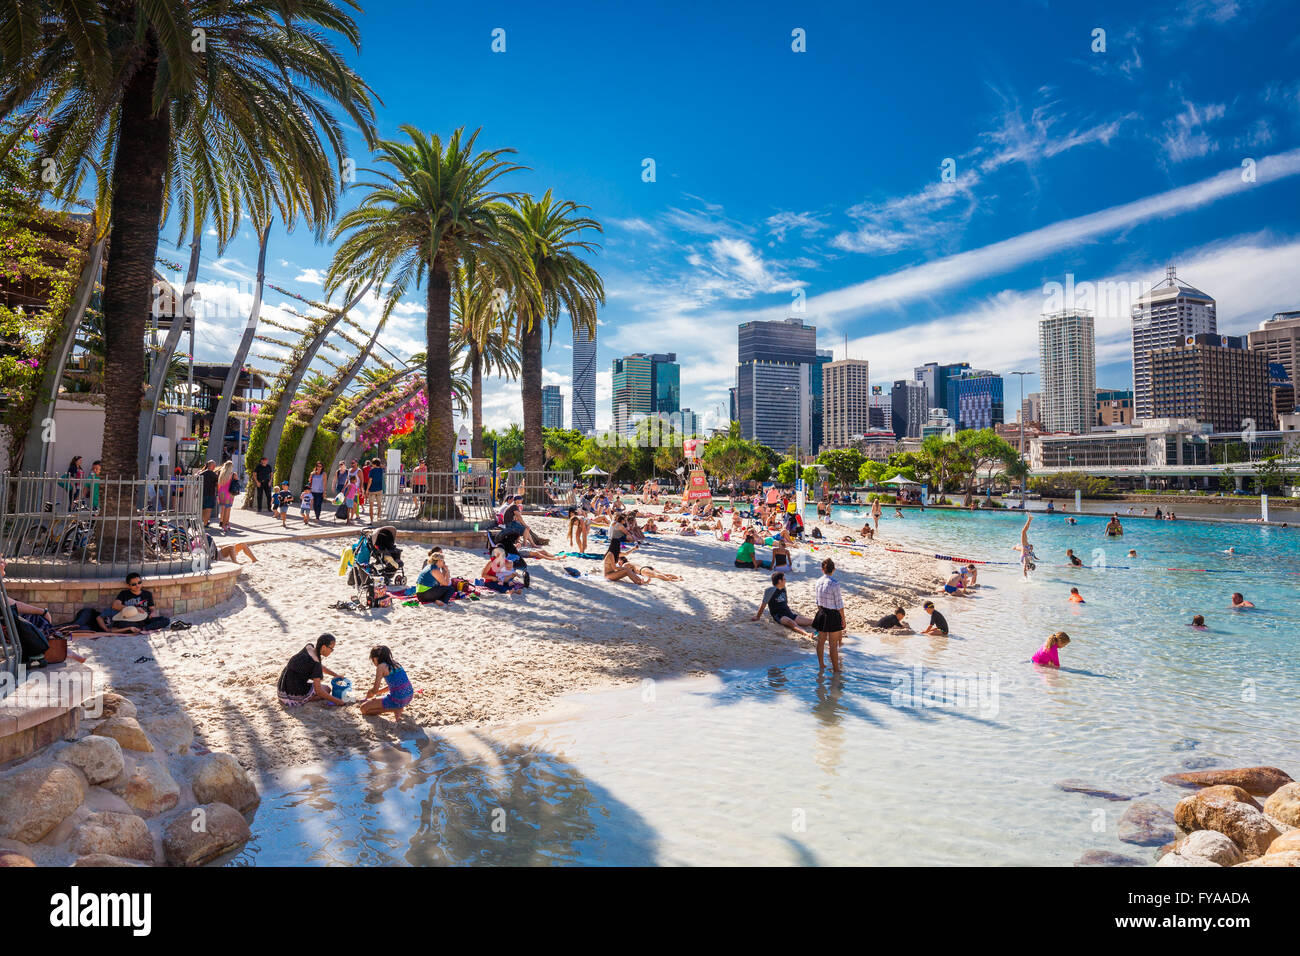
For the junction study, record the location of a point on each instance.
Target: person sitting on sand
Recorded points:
(780, 557)
(499, 573)
(1198, 622)
(616, 568)
(652, 528)
(1046, 655)
(387, 671)
(938, 623)
(687, 528)
(301, 680)
(895, 621)
(956, 584)
(866, 532)
(1076, 597)
(777, 603)
(745, 557)
(1026, 549)
(1240, 603)
(433, 586)
(140, 601)
(970, 577)
(1073, 558)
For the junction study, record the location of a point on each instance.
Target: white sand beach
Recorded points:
(500, 658)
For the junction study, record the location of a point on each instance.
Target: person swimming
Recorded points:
(1076, 597)
(1240, 603)
(1113, 528)
(1074, 558)
(1046, 656)
(1198, 622)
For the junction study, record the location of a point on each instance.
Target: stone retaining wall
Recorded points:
(175, 595)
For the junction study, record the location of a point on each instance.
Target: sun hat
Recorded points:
(130, 614)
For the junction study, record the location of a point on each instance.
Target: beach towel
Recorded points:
(346, 561)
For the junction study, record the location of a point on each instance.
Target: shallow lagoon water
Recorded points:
(927, 751)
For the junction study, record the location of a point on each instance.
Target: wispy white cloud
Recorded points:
(806, 223)
(1185, 138)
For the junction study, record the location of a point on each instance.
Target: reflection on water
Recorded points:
(927, 750)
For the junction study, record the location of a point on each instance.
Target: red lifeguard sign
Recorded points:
(697, 486)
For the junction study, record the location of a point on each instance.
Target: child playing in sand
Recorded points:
(305, 504)
(1075, 596)
(282, 497)
(970, 577)
(1046, 655)
(390, 672)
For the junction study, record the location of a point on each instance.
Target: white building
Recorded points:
(1067, 364)
(1163, 319)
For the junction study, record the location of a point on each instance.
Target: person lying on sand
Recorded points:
(301, 681)
(895, 621)
(648, 572)
(387, 671)
(777, 603)
(616, 568)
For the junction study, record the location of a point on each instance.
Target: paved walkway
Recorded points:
(254, 527)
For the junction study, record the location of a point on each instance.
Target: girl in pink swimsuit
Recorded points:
(1046, 655)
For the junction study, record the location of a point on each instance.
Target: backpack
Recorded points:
(236, 486)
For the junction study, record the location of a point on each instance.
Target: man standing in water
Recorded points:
(1026, 549)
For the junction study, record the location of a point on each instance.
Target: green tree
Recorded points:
(479, 337)
(787, 471)
(548, 234)
(607, 455)
(732, 459)
(843, 464)
(436, 206)
(810, 475)
(983, 448)
(136, 100)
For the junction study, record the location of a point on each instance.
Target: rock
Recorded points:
(1146, 824)
(99, 758)
(1187, 743)
(126, 731)
(173, 733)
(111, 705)
(1186, 809)
(1260, 781)
(1289, 858)
(192, 840)
(1288, 842)
(1082, 786)
(220, 779)
(1244, 824)
(1107, 858)
(1284, 804)
(150, 788)
(1177, 859)
(1211, 845)
(8, 858)
(114, 834)
(33, 801)
(103, 859)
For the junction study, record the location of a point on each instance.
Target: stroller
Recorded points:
(376, 566)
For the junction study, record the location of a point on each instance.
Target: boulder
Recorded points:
(1289, 858)
(1288, 842)
(173, 733)
(110, 705)
(8, 858)
(34, 800)
(1177, 859)
(1244, 824)
(114, 834)
(126, 731)
(1082, 786)
(1284, 804)
(220, 779)
(1107, 858)
(99, 758)
(1186, 809)
(1146, 824)
(149, 788)
(1260, 781)
(1211, 845)
(103, 859)
(192, 839)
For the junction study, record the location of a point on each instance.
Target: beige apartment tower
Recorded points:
(1067, 359)
(846, 394)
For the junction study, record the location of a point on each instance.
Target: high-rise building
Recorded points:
(817, 398)
(643, 385)
(735, 416)
(1279, 340)
(910, 405)
(1213, 379)
(1031, 409)
(936, 379)
(847, 401)
(690, 423)
(778, 383)
(552, 407)
(880, 414)
(583, 398)
(1067, 363)
(1114, 406)
(976, 399)
(1163, 318)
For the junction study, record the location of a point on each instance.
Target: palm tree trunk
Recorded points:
(530, 384)
(476, 396)
(217, 433)
(439, 437)
(138, 169)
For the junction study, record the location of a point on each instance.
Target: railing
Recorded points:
(11, 651)
(61, 528)
(540, 489)
(436, 501)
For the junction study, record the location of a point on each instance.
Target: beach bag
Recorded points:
(377, 596)
(57, 652)
(341, 512)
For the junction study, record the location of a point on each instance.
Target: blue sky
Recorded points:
(814, 179)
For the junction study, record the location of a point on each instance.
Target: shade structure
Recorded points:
(592, 471)
(900, 480)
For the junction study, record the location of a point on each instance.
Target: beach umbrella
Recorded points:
(593, 471)
(518, 466)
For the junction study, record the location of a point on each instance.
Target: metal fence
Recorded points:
(436, 501)
(11, 653)
(57, 527)
(540, 489)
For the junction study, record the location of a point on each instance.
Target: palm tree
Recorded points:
(250, 87)
(437, 206)
(548, 230)
(480, 335)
